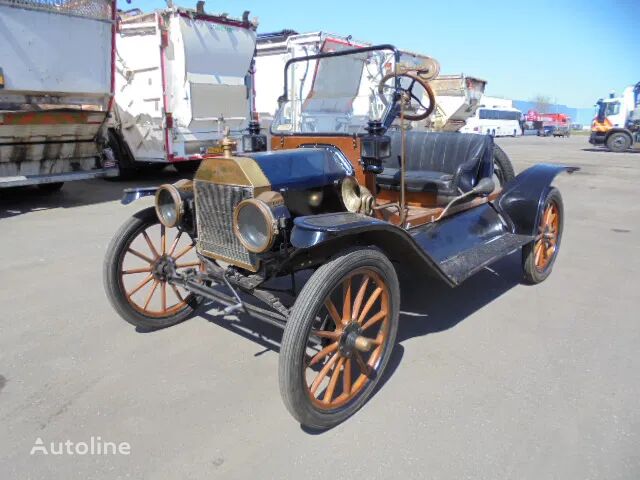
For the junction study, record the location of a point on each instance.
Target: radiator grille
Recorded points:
(214, 209)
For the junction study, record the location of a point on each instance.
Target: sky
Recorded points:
(571, 51)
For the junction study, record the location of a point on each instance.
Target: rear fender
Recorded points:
(521, 200)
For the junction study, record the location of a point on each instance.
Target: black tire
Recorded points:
(532, 270)
(112, 276)
(618, 142)
(502, 166)
(292, 368)
(126, 166)
(50, 187)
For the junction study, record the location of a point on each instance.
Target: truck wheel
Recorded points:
(502, 166)
(618, 142)
(126, 167)
(539, 256)
(339, 338)
(50, 187)
(135, 267)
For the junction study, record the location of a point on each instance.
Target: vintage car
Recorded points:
(349, 194)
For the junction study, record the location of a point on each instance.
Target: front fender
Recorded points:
(130, 195)
(521, 199)
(327, 234)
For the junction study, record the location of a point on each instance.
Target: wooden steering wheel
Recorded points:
(414, 101)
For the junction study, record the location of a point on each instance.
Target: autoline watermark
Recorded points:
(95, 446)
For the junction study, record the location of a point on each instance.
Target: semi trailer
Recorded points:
(56, 89)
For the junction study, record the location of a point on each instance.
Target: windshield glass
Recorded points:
(335, 95)
(613, 108)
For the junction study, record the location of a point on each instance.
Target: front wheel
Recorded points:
(139, 260)
(618, 142)
(339, 338)
(539, 256)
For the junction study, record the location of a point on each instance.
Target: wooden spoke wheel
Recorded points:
(339, 338)
(139, 261)
(539, 256)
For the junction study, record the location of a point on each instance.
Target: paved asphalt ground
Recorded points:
(492, 380)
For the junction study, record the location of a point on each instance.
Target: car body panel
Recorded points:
(455, 247)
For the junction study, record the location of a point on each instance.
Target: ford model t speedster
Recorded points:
(349, 192)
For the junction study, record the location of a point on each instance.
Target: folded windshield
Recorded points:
(337, 95)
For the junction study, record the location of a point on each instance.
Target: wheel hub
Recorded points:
(352, 339)
(163, 268)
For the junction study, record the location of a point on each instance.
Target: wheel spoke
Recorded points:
(333, 312)
(359, 297)
(552, 217)
(328, 394)
(375, 319)
(326, 334)
(190, 264)
(372, 299)
(346, 307)
(549, 252)
(139, 255)
(346, 377)
(175, 290)
(364, 368)
(153, 289)
(136, 270)
(547, 215)
(538, 252)
(323, 353)
(164, 296)
(183, 252)
(146, 280)
(175, 243)
(323, 373)
(163, 238)
(154, 252)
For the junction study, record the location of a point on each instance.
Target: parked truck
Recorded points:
(617, 121)
(56, 86)
(183, 76)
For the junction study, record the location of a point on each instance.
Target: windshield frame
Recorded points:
(390, 112)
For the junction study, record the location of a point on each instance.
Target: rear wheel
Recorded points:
(618, 142)
(138, 261)
(502, 166)
(339, 338)
(539, 256)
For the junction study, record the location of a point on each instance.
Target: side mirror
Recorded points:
(485, 186)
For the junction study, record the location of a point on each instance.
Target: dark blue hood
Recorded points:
(303, 168)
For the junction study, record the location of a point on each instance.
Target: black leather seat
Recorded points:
(444, 163)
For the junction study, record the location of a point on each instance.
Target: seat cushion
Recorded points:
(446, 163)
(417, 181)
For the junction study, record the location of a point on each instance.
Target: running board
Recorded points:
(464, 264)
